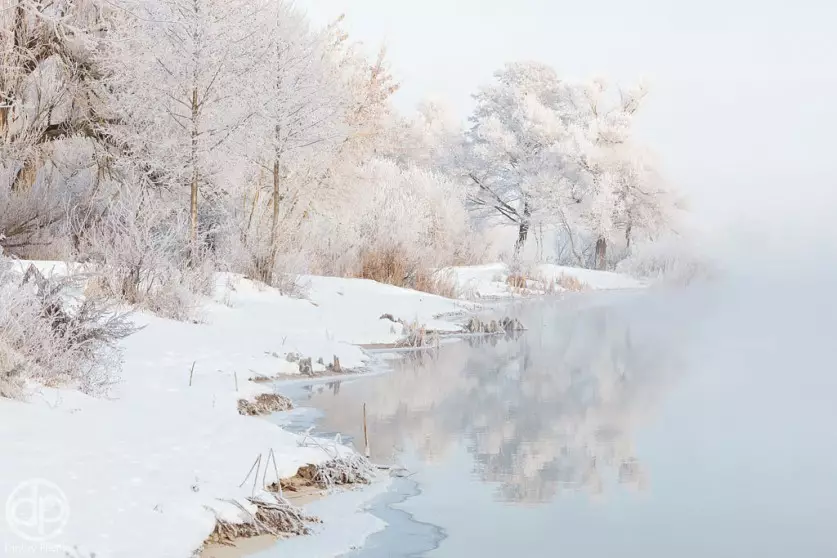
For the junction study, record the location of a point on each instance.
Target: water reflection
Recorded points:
(551, 410)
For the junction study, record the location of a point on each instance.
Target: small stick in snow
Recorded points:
(235, 375)
(365, 432)
(256, 478)
(258, 459)
(192, 373)
(276, 471)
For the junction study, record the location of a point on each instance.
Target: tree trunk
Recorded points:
(193, 209)
(523, 227)
(274, 228)
(628, 238)
(601, 253)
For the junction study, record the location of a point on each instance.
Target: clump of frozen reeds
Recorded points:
(342, 470)
(265, 404)
(274, 516)
(347, 467)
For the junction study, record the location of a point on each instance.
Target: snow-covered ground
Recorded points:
(145, 471)
(492, 280)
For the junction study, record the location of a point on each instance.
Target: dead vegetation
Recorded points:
(440, 283)
(275, 517)
(265, 404)
(573, 284)
(343, 470)
(517, 281)
(534, 283)
(393, 267)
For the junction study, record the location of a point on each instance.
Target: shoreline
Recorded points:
(296, 490)
(160, 482)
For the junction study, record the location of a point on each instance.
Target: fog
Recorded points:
(741, 111)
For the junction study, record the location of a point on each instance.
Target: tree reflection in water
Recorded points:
(549, 410)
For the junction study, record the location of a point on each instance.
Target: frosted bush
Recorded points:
(50, 334)
(402, 223)
(140, 249)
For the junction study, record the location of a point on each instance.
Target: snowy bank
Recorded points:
(149, 469)
(145, 471)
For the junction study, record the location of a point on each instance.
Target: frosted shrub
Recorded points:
(140, 248)
(403, 224)
(245, 246)
(51, 335)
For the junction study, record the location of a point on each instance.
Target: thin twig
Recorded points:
(251, 471)
(365, 433)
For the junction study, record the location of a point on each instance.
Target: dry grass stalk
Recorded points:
(385, 266)
(437, 283)
(265, 404)
(415, 336)
(517, 281)
(393, 267)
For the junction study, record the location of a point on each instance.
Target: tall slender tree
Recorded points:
(178, 76)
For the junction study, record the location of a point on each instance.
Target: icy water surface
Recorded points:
(649, 425)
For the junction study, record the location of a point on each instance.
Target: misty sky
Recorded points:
(741, 113)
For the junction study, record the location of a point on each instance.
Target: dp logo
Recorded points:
(37, 510)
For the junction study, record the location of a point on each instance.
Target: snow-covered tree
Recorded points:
(623, 192)
(300, 106)
(513, 156)
(428, 139)
(50, 110)
(179, 81)
(541, 150)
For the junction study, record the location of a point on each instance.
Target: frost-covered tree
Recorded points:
(623, 192)
(179, 81)
(541, 150)
(428, 139)
(50, 111)
(300, 105)
(511, 147)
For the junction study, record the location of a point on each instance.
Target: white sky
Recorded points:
(742, 109)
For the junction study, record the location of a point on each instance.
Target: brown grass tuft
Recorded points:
(387, 266)
(517, 281)
(437, 283)
(393, 267)
(265, 404)
(572, 283)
